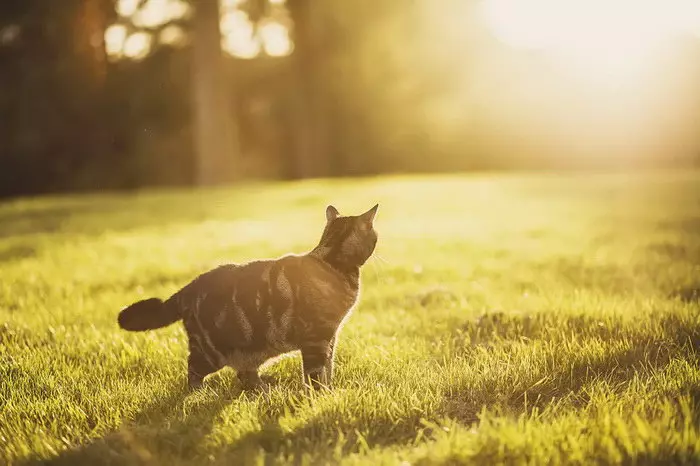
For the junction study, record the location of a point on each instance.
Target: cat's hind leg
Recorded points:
(250, 380)
(199, 365)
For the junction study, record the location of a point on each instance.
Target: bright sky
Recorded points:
(239, 39)
(566, 77)
(606, 39)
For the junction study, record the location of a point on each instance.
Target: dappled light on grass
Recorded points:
(506, 317)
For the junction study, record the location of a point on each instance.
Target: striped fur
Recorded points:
(243, 315)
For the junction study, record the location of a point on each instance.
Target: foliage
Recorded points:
(371, 87)
(507, 319)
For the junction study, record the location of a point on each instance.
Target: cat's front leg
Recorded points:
(317, 358)
(330, 360)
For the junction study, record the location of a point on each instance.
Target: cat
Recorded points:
(242, 315)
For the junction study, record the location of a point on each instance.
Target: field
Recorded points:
(511, 318)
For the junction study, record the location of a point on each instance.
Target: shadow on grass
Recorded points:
(47, 219)
(689, 294)
(159, 435)
(94, 216)
(563, 379)
(682, 225)
(17, 252)
(675, 251)
(493, 327)
(580, 274)
(323, 436)
(124, 211)
(159, 431)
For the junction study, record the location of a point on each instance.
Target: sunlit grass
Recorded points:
(507, 318)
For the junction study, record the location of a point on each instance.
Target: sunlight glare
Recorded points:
(238, 35)
(603, 38)
(137, 45)
(127, 8)
(115, 35)
(519, 23)
(157, 12)
(231, 4)
(275, 39)
(688, 17)
(172, 35)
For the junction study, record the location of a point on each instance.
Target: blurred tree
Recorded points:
(56, 80)
(148, 25)
(122, 93)
(216, 136)
(310, 99)
(91, 22)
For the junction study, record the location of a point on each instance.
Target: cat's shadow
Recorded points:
(174, 426)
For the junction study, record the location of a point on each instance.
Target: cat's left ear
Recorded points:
(370, 214)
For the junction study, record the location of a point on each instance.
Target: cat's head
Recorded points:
(348, 240)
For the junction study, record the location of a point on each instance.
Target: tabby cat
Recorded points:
(243, 315)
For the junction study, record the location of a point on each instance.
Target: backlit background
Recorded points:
(102, 94)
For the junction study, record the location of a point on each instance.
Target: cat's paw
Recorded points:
(194, 384)
(261, 387)
(257, 384)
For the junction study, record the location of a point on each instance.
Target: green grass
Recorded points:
(509, 319)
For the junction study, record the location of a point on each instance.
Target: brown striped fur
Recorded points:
(243, 315)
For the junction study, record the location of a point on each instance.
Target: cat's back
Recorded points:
(225, 277)
(303, 281)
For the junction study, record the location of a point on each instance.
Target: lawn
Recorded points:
(506, 318)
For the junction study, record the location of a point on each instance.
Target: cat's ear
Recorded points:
(370, 214)
(331, 213)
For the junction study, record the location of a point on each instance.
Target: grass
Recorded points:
(547, 319)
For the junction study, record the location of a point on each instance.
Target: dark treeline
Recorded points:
(361, 93)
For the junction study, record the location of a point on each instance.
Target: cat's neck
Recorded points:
(349, 270)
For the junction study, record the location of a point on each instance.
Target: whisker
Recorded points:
(376, 273)
(377, 268)
(380, 258)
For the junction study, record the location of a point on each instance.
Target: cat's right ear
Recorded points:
(331, 213)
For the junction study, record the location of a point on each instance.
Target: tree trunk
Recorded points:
(215, 132)
(88, 36)
(309, 117)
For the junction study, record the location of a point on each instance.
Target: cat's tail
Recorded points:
(149, 314)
